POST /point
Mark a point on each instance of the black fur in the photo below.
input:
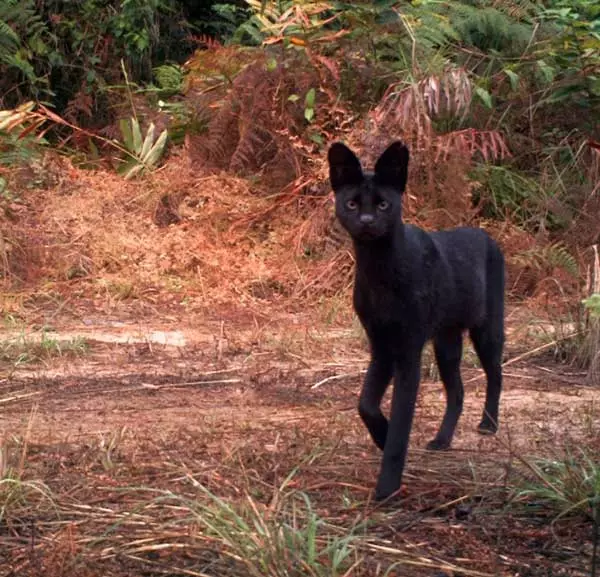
(410, 287)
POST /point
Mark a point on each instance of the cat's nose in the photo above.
(366, 218)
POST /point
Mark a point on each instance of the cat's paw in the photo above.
(383, 494)
(438, 445)
(487, 427)
(387, 489)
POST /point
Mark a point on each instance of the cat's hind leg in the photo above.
(488, 343)
(488, 340)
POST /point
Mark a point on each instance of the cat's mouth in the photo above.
(368, 232)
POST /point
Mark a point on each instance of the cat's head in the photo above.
(368, 204)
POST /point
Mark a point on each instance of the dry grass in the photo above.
(199, 242)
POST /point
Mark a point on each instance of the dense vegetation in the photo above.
(485, 76)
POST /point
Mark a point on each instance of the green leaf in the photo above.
(271, 64)
(148, 141)
(132, 171)
(513, 77)
(136, 136)
(309, 114)
(484, 96)
(126, 134)
(293, 98)
(309, 99)
(157, 150)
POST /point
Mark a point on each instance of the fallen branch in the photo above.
(337, 378)
(528, 354)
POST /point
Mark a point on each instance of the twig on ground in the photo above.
(528, 354)
(337, 378)
(19, 397)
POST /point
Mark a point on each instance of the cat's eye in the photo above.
(351, 205)
(383, 205)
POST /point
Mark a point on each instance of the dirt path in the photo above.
(190, 376)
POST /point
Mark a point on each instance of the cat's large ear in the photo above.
(391, 169)
(344, 167)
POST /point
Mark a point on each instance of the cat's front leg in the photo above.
(377, 380)
(406, 386)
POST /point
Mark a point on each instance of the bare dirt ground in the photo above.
(164, 410)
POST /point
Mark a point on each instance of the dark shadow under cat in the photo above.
(410, 287)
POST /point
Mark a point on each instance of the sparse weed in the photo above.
(27, 349)
(108, 446)
(290, 540)
(562, 487)
(359, 332)
(429, 368)
(19, 495)
(286, 538)
(119, 289)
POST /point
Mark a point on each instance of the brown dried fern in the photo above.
(449, 93)
(490, 144)
(223, 135)
(412, 108)
(259, 124)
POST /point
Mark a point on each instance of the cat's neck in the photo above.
(386, 250)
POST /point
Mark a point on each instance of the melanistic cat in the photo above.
(412, 286)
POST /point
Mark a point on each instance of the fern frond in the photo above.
(413, 107)
(489, 144)
(169, 77)
(488, 28)
(555, 255)
(223, 135)
(9, 40)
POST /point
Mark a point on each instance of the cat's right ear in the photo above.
(344, 167)
(392, 167)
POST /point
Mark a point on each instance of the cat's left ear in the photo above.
(391, 170)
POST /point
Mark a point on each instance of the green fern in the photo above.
(489, 29)
(555, 255)
(22, 32)
(20, 24)
(169, 78)
(487, 26)
(9, 41)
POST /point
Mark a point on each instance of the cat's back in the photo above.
(465, 247)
